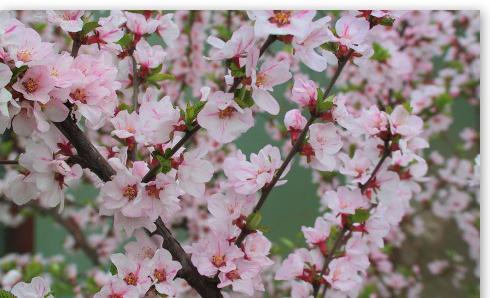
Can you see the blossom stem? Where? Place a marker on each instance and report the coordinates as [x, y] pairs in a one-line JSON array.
[[8, 162]]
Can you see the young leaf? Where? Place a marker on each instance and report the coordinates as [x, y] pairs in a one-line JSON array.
[[87, 27]]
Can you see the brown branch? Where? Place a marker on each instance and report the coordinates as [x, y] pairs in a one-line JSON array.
[[296, 148], [9, 162], [204, 285], [89, 157], [73, 228], [67, 223]]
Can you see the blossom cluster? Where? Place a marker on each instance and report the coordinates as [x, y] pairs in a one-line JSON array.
[[145, 108]]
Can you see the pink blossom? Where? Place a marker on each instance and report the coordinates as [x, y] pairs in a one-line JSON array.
[[403, 123], [271, 73], [5, 96], [376, 229], [68, 20], [48, 172], [318, 234], [236, 47], [293, 120], [223, 118], [117, 288], [373, 120], [282, 22], [138, 24], [326, 142], [163, 271], [123, 192], [357, 167], [256, 248], [216, 255], [167, 29], [36, 84], [345, 200], [290, 268], [351, 31], [194, 172], [133, 273], [124, 124], [144, 247], [231, 205], [159, 198], [157, 119], [343, 276], [301, 289], [149, 56], [304, 48], [304, 92], [27, 48], [248, 177], [240, 278], [37, 288]]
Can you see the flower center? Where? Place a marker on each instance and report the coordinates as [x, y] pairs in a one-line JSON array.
[[233, 275], [227, 113], [281, 18], [160, 275], [131, 279], [153, 191], [30, 85], [79, 95], [130, 192], [24, 55], [260, 80], [115, 296], [218, 260]]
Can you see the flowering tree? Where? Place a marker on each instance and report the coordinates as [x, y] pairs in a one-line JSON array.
[[146, 106]]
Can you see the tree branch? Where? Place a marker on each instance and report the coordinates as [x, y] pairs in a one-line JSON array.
[[296, 148], [386, 153]]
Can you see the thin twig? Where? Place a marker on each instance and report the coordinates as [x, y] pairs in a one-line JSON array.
[[295, 149]]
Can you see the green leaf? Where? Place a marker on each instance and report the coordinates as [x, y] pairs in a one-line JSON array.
[[236, 71], [324, 105], [91, 286], [408, 107], [360, 216], [288, 243], [165, 164], [126, 40], [89, 26], [387, 21], [17, 72], [39, 27], [5, 294], [442, 100], [191, 112], [157, 77], [223, 32], [156, 69], [32, 270], [113, 269], [367, 291], [330, 46], [253, 221], [380, 54], [243, 98]]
